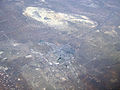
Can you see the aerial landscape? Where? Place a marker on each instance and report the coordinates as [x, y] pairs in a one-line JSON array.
[[59, 44]]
